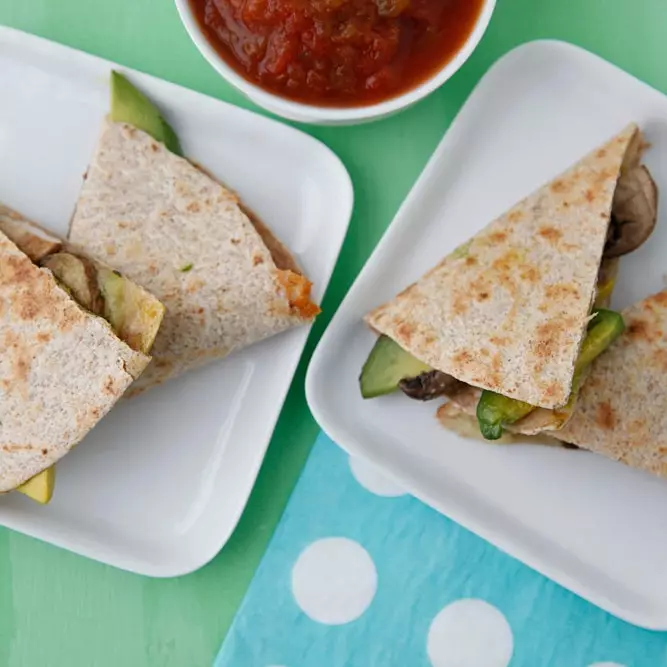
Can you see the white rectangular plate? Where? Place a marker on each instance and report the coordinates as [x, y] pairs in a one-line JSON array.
[[160, 484], [595, 526]]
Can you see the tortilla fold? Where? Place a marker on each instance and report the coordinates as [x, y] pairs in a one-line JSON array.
[[508, 310], [61, 371], [622, 409], [173, 229]]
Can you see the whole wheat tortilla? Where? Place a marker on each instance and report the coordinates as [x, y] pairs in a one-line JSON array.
[[508, 310], [622, 409], [29, 237], [174, 230], [143, 312], [61, 371], [466, 398]]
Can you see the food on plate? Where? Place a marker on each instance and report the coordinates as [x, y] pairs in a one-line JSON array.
[[29, 237], [337, 52], [62, 370], [134, 314], [164, 223], [508, 324], [129, 105], [40, 487], [622, 408]]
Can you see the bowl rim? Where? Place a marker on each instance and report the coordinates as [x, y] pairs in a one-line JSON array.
[[299, 110]]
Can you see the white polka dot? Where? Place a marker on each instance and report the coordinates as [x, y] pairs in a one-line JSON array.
[[373, 480], [606, 664], [334, 580], [470, 633]]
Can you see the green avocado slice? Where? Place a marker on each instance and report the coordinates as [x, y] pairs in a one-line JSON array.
[[134, 315], [129, 105], [494, 411], [387, 364]]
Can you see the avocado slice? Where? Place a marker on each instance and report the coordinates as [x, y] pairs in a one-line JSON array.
[[494, 411], [40, 487], [388, 364], [605, 327], [129, 105], [133, 313]]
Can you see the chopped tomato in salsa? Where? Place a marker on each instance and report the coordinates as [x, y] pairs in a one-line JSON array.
[[337, 52]]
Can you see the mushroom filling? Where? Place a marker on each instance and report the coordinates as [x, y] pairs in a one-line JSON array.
[[634, 212], [428, 385]]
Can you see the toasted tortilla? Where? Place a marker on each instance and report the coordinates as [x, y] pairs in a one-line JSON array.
[[61, 371], [466, 398], [134, 314], [622, 409], [29, 237], [174, 230], [508, 310]]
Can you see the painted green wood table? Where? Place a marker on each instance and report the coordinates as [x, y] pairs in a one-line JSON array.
[[57, 609]]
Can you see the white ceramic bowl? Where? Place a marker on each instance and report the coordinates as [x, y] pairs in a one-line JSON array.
[[307, 113]]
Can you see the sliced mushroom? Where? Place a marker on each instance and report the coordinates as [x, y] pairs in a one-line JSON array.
[[634, 212], [428, 385]]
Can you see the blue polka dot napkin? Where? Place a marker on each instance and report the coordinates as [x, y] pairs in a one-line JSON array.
[[360, 574]]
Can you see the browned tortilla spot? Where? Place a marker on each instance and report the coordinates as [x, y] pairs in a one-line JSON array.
[[559, 187], [559, 291], [606, 417], [405, 332], [550, 233]]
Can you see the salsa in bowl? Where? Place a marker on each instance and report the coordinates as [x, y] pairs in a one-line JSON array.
[[336, 60]]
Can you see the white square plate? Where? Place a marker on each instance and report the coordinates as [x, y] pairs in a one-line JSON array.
[[160, 484], [593, 525]]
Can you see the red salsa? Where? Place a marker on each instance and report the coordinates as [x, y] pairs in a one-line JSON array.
[[337, 52]]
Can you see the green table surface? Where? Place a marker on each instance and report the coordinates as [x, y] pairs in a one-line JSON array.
[[58, 609]]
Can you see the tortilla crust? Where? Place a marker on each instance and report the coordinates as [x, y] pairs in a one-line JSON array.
[[29, 237], [61, 371], [508, 310], [32, 239], [171, 228], [622, 409]]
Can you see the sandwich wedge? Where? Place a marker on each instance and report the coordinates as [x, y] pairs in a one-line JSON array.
[[225, 280], [105, 302], [622, 408], [507, 325]]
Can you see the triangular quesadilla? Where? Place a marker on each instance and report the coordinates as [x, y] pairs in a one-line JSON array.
[[622, 409], [170, 227], [503, 319], [61, 371], [134, 314]]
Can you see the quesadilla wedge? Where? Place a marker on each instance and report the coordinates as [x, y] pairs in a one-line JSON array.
[[622, 409], [508, 323], [169, 226], [62, 369], [134, 314]]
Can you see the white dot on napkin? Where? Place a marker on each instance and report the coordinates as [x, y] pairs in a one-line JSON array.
[[373, 480], [606, 664], [334, 580], [470, 633]]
